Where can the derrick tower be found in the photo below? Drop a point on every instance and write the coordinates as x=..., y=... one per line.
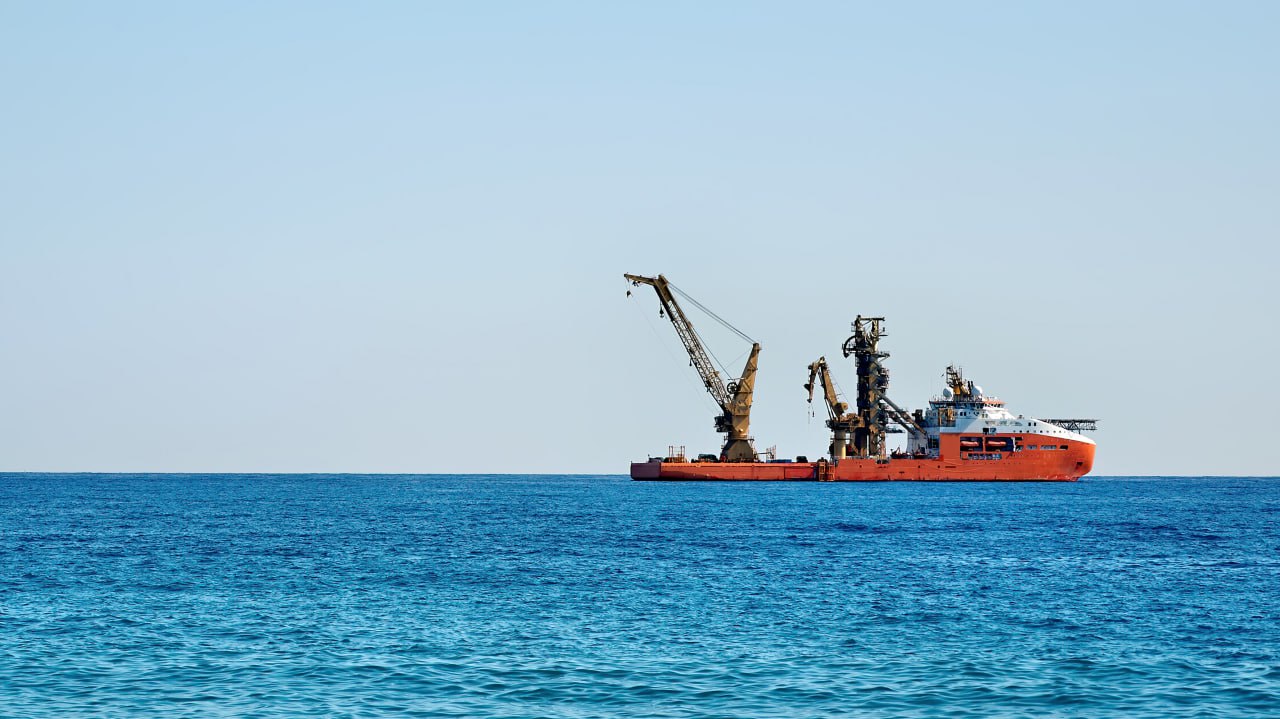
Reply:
x=873, y=382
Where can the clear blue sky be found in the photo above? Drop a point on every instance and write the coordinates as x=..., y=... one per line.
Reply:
x=389, y=236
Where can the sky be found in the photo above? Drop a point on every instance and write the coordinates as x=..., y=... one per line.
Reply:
x=390, y=237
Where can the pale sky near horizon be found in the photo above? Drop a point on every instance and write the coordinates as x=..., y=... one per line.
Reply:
x=389, y=237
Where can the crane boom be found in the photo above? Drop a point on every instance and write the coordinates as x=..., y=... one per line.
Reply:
x=734, y=397
x=820, y=372
x=688, y=337
x=842, y=422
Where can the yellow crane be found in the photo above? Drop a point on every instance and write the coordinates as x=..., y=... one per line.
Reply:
x=839, y=419
x=734, y=396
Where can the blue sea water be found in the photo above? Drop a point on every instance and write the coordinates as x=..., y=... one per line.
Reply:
x=571, y=596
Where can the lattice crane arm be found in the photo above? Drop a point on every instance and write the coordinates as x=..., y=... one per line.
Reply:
x=698, y=356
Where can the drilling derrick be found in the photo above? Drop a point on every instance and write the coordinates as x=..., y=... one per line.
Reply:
x=873, y=380
x=733, y=397
x=874, y=408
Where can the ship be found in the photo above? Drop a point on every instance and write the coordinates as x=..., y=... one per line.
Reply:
x=964, y=434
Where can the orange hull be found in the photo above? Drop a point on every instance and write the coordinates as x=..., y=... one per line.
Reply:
x=1056, y=465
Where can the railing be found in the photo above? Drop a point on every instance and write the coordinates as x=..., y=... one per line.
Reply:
x=1075, y=425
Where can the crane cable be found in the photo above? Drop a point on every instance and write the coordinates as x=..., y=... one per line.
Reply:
x=722, y=321
x=708, y=350
x=702, y=391
x=713, y=315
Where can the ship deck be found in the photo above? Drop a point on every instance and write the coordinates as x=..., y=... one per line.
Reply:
x=1057, y=466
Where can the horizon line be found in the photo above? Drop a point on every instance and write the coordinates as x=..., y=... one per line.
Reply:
x=557, y=474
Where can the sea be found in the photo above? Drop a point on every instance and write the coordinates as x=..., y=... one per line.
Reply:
x=154, y=595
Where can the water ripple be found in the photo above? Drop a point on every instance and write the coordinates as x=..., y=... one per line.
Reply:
x=345, y=596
